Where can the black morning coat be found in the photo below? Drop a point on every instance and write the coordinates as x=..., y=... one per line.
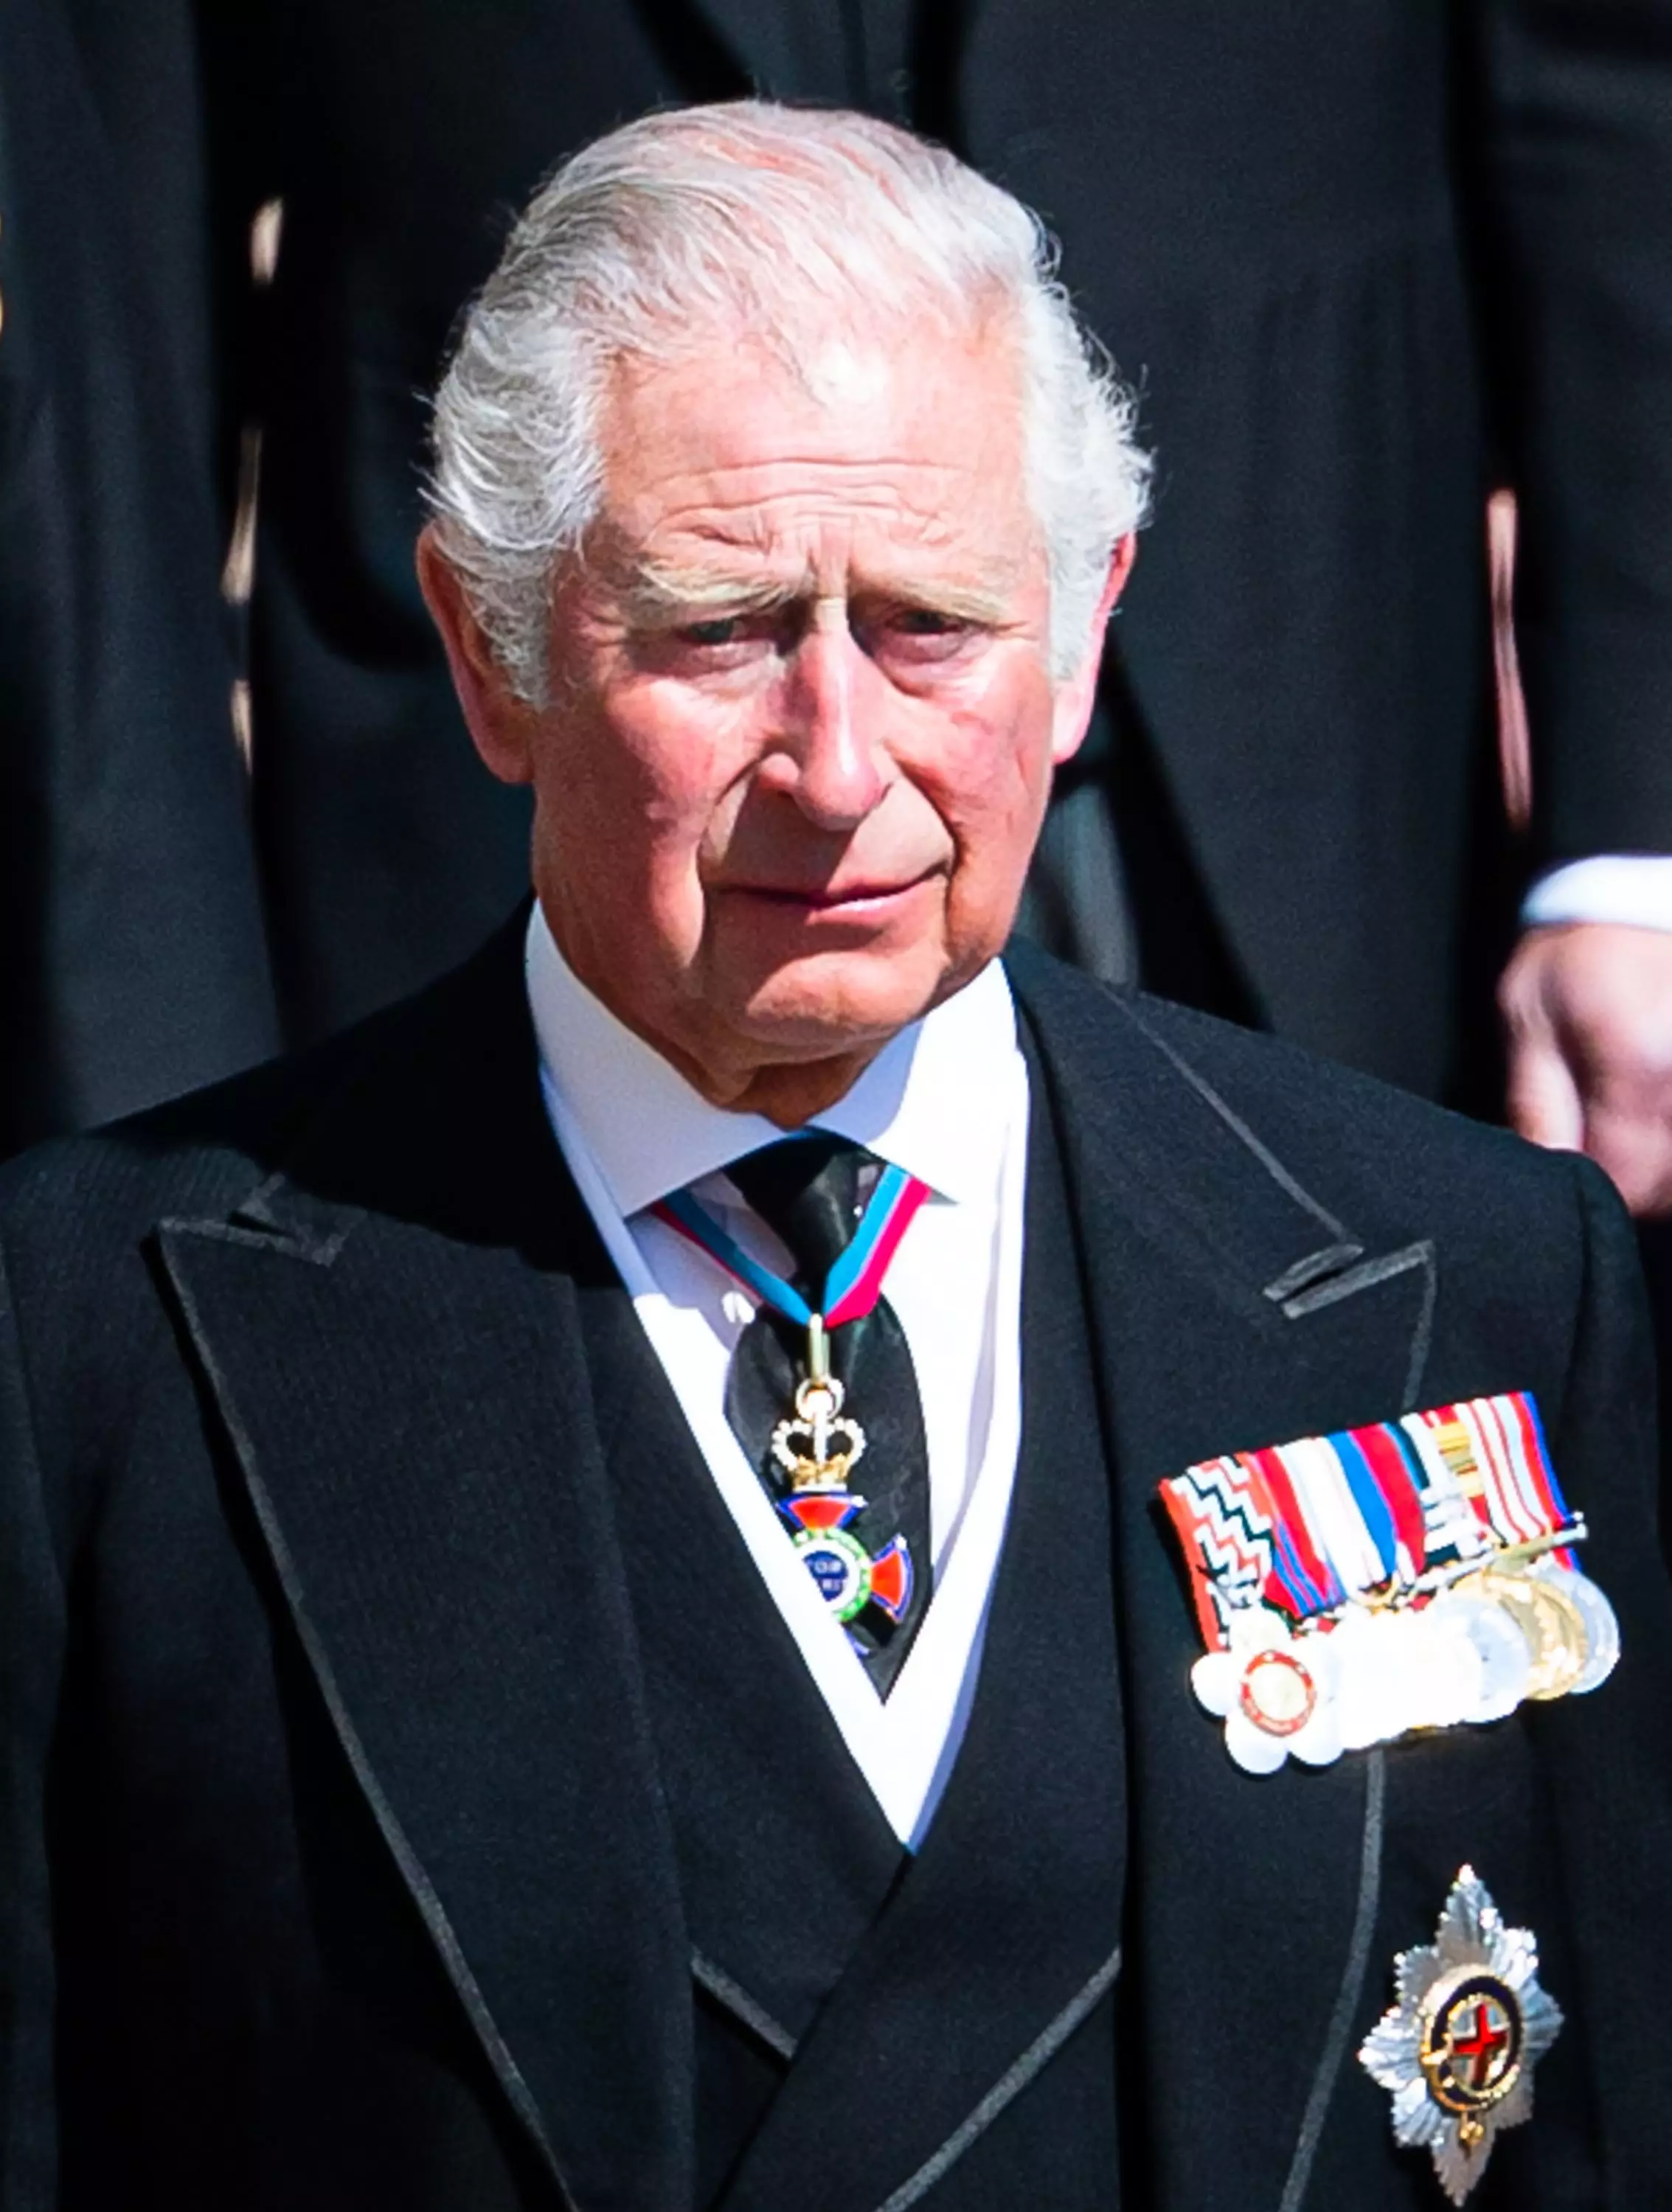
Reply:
x=412, y=1800
x=1360, y=255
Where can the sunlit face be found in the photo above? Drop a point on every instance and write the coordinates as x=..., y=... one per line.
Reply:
x=801, y=724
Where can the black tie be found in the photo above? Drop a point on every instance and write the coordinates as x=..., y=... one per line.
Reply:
x=810, y=1191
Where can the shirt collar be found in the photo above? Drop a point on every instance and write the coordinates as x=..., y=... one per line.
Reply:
x=933, y=1102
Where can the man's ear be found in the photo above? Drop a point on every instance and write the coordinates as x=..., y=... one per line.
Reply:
x=1075, y=694
x=500, y=724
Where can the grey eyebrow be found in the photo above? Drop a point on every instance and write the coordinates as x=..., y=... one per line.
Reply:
x=655, y=597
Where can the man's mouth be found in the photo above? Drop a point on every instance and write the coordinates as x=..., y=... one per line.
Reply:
x=834, y=898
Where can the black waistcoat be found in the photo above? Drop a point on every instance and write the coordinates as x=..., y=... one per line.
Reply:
x=873, y=2029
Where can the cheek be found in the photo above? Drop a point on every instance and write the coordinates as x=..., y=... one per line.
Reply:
x=655, y=776
x=989, y=775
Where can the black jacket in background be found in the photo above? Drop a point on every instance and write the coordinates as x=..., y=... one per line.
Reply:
x=133, y=961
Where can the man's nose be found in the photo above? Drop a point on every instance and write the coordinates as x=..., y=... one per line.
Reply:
x=827, y=757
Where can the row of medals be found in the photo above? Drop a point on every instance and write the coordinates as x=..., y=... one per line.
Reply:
x=1509, y=1629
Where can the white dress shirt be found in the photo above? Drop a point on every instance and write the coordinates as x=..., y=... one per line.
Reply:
x=947, y=1101
x=1635, y=888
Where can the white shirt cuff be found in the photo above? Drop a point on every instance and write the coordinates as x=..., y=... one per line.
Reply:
x=1634, y=888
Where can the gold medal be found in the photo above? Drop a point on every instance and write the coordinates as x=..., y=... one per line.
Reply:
x=1551, y=1623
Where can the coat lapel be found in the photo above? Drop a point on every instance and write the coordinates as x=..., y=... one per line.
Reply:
x=1231, y=1308
x=386, y=1329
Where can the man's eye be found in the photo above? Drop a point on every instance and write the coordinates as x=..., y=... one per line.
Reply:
x=924, y=634
x=723, y=630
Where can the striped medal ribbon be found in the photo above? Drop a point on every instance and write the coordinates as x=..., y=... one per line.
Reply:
x=1301, y=1527
x=1493, y=1452
x=1411, y=1573
x=856, y=1280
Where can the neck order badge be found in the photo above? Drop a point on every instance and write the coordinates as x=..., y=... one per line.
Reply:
x=818, y=1442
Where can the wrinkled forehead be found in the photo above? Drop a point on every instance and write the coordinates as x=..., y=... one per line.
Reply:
x=912, y=434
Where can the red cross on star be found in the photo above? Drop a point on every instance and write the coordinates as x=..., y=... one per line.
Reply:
x=1482, y=2046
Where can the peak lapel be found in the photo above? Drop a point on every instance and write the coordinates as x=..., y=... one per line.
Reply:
x=1231, y=1309
x=387, y=1331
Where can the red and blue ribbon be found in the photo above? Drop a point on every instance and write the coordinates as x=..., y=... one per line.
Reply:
x=856, y=1280
x=1306, y=1525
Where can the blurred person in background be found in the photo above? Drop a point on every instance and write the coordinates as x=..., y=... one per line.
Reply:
x=134, y=960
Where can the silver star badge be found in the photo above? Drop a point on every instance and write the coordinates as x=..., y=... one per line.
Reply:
x=1458, y=2049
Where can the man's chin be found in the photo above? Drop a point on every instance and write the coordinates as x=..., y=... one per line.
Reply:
x=827, y=1005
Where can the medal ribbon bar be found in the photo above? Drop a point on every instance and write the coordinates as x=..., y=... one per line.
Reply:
x=1414, y=1573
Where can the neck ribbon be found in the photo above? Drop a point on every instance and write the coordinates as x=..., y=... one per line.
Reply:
x=854, y=1282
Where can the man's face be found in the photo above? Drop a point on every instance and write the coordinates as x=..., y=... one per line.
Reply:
x=801, y=725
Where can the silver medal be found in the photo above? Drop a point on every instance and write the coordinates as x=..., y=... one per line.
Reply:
x=1602, y=1627
x=1506, y=1664
x=1444, y=1668
x=1374, y=1693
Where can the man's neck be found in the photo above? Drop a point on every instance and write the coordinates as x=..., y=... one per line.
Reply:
x=789, y=1094
x=935, y=1098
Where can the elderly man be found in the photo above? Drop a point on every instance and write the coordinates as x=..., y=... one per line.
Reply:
x=751, y=1558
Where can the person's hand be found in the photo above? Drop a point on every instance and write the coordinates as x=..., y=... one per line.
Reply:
x=1588, y=1006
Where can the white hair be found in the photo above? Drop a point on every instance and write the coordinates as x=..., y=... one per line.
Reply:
x=702, y=225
